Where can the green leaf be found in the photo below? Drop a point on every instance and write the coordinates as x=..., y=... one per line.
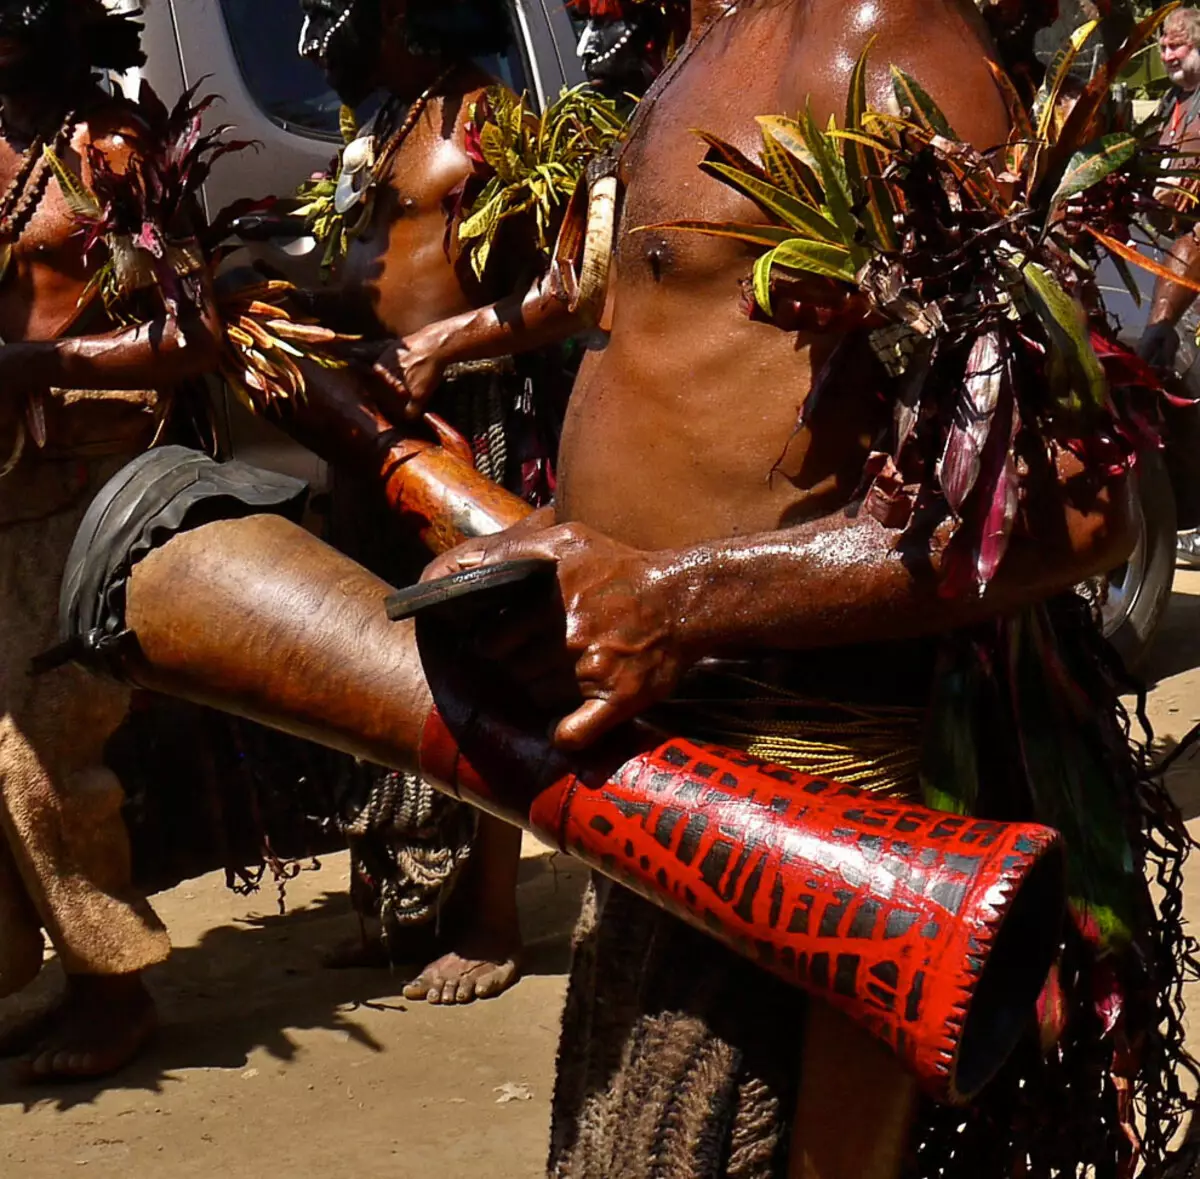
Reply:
x=789, y=135
x=1066, y=326
x=832, y=173
x=81, y=202
x=801, y=218
x=829, y=261
x=1093, y=164
x=916, y=105
x=1056, y=75
x=854, y=151
x=1096, y=93
x=762, y=281
x=787, y=172
x=754, y=235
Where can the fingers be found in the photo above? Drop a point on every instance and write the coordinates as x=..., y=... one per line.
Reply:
x=588, y=723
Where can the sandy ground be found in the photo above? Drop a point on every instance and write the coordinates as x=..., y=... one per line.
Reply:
x=268, y=1064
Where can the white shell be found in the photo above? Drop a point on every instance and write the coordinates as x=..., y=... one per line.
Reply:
x=358, y=154
x=349, y=191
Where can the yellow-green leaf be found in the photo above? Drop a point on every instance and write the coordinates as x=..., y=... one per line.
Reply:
x=829, y=261
x=1056, y=75
x=917, y=106
x=1092, y=165
x=762, y=281
x=798, y=216
x=1066, y=325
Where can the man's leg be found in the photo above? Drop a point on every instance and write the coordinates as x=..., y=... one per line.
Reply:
x=855, y=1106
x=485, y=931
x=60, y=813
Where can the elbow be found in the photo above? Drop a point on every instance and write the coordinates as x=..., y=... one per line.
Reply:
x=197, y=344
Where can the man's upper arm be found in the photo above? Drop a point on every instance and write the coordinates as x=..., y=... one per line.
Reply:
x=938, y=42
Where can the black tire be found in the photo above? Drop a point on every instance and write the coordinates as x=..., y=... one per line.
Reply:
x=1138, y=591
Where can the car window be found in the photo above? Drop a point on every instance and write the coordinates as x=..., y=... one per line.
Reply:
x=288, y=88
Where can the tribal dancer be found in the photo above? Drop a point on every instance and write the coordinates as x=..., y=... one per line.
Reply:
x=81, y=391
x=398, y=207
x=751, y=502
x=626, y=43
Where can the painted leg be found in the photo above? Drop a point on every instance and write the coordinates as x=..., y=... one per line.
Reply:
x=855, y=1105
x=484, y=959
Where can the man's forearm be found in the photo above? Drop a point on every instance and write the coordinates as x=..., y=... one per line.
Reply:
x=161, y=352
x=838, y=581
x=511, y=326
x=1172, y=299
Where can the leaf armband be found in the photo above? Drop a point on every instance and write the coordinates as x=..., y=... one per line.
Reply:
x=529, y=165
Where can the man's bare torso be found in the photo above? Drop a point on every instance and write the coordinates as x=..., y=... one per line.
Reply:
x=40, y=295
x=692, y=406
x=397, y=275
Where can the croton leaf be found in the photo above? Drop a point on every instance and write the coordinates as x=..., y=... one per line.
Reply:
x=790, y=173
x=1021, y=136
x=1066, y=325
x=1056, y=75
x=720, y=152
x=823, y=258
x=801, y=218
x=832, y=171
x=915, y=104
x=1130, y=254
x=743, y=231
x=1075, y=129
x=1093, y=164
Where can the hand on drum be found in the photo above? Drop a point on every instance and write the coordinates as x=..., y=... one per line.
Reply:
x=599, y=652
x=409, y=371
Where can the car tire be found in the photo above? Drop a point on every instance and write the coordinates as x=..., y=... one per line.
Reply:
x=1138, y=591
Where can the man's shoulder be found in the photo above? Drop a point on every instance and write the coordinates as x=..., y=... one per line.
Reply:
x=114, y=127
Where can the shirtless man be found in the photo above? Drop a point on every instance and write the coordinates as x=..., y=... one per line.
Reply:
x=78, y=397
x=680, y=532
x=398, y=277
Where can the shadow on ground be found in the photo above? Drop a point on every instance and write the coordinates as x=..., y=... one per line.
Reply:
x=248, y=985
x=1176, y=647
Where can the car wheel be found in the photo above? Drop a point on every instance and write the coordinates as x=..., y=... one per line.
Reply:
x=1134, y=598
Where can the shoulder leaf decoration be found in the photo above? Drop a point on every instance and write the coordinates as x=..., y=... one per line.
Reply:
x=532, y=163
x=938, y=248
x=317, y=203
x=972, y=276
x=146, y=216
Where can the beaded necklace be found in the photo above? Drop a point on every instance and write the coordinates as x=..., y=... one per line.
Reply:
x=362, y=154
x=24, y=193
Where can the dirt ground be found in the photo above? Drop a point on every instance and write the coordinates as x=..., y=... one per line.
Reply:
x=268, y=1064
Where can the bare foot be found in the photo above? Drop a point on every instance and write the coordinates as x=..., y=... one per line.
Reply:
x=22, y=1034
x=103, y=1023
x=464, y=977
x=484, y=929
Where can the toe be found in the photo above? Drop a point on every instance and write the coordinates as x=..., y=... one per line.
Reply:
x=449, y=991
x=465, y=991
x=417, y=989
